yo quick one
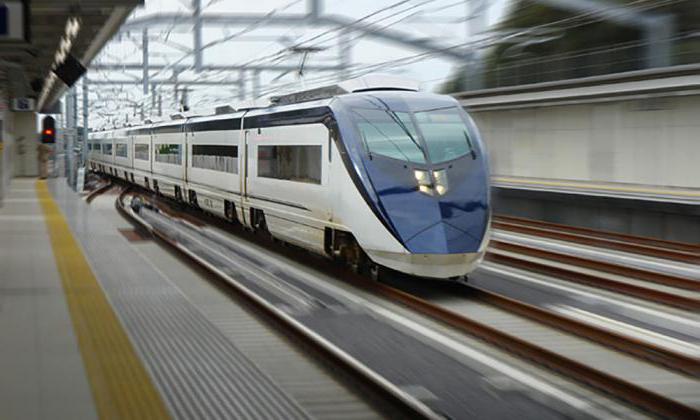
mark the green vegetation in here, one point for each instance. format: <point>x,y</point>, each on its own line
<point>566,46</point>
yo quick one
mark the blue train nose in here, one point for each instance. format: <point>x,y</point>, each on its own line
<point>427,222</point>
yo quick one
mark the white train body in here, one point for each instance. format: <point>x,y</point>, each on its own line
<point>307,173</point>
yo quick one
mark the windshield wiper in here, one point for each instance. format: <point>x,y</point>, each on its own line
<point>469,143</point>
<point>405,129</point>
<point>401,124</point>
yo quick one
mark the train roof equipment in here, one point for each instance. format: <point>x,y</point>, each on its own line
<point>370,82</point>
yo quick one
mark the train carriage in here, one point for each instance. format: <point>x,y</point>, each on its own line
<point>369,171</point>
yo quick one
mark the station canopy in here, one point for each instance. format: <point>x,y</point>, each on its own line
<point>44,43</point>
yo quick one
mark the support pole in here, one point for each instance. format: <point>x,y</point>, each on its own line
<point>144,77</point>
<point>184,101</point>
<point>344,55</point>
<point>475,26</point>
<point>153,100</point>
<point>197,33</point>
<point>314,8</point>
<point>241,84</point>
<point>86,114</point>
<point>256,84</point>
<point>70,133</point>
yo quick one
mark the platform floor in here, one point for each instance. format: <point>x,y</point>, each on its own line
<point>43,375</point>
<point>605,189</point>
<point>96,323</point>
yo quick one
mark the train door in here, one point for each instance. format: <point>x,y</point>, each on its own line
<point>244,175</point>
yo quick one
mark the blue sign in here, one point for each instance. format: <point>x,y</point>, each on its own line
<point>4,24</point>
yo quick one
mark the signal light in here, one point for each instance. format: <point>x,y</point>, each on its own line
<point>48,130</point>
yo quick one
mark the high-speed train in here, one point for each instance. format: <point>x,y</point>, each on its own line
<point>369,171</point>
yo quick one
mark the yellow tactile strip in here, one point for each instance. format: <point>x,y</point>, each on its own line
<point>121,386</point>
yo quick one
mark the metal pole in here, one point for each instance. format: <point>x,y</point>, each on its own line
<point>144,40</point>
<point>314,7</point>
<point>197,16</point>
<point>344,55</point>
<point>256,84</point>
<point>175,88</point>
<point>71,122</point>
<point>241,84</point>
<point>153,100</point>
<point>86,113</point>
<point>185,106</point>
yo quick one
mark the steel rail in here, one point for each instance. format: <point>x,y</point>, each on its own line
<point>584,239</point>
<point>654,242</point>
<point>617,387</point>
<point>98,191</point>
<point>632,272</point>
<point>338,359</point>
<point>652,295</point>
<point>630,345</point>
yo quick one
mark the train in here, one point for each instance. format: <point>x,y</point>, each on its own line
<point>369,171</point>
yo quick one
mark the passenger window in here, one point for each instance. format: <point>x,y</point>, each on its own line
<point>107,149</point>
<point>168,153</point>
<point>215,157</point>
<point>292,163</point>
<point>141,151</point>
<point>121,150</point>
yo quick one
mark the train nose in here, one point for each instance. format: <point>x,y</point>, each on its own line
<point>435,210</point>
<point>441,238</point>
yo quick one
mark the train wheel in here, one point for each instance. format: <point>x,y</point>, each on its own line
<point>375,272</point>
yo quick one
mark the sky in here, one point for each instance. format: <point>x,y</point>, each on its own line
<point>442,21</point>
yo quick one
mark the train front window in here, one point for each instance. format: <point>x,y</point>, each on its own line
<point>445,134</point>
<point>389,133</point>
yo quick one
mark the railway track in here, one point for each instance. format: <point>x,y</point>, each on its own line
<point>516,255</point>
<point>569,367</point>
<point>97,190</point>
<point>645,275</point>
<point>409,406</point>
<point>619,387</point>
<point>683,252</point>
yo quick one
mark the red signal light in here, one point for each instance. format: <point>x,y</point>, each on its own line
<point>48,130</point>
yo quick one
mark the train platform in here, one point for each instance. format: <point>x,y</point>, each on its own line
<point>666,213</point>
<point>100,322</point>
<point>602,189</point>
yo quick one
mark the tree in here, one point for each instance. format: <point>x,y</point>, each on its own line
<point>564,45</point>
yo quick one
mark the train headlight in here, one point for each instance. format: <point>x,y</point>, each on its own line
<point>422,177</point>
<point>440,181</point>
<point>425,189</point>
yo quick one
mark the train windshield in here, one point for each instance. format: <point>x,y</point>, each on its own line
<point>406,136</point>
<point>390,134</point>
<point>445,134</point>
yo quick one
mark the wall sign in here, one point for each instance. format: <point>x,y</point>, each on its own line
<point>23,104</point>
<point>14,21</point>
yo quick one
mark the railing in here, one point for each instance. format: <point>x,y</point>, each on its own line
<point>585,63</point>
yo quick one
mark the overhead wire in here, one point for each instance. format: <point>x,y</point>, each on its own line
<point>493,39</point>
<point>481,43</point>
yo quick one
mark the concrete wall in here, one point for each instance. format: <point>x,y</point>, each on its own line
<point>26,143</point>
<point>641,141</point>
<point>7,141</point>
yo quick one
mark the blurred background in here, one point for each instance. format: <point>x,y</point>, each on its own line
<point>244,50</point>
